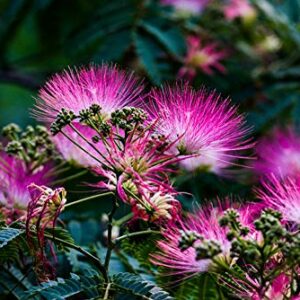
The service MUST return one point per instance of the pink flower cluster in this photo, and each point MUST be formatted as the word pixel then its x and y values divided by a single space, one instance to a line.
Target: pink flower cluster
pixel 133 148
pixel 200 124
pixel 205 221
pixel 239 9
pixel 15 176
pixel 206 57
pixel 143 163
pixel 197 130
pixel 43 210
pixel 278 166
pixel 187 7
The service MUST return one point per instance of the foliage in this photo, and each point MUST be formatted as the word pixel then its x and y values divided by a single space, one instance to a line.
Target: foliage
pixel 92 246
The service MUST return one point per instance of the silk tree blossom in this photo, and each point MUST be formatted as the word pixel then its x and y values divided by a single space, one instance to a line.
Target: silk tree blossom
pixel 204 222
pixel 138 172
pixel 15 176
pixel 45 205
pixel 187 7
pixel 206 57
pixel 156 207
pixel 279 154
pixel 200 124
pixel 133 161
pixel 239 9
pixel 70 151
pixel 282 195
pixel 78 89
pixel 42 212
pixel 140 162
pixel 278 289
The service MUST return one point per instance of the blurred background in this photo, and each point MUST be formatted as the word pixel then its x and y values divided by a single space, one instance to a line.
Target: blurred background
pixel 247 50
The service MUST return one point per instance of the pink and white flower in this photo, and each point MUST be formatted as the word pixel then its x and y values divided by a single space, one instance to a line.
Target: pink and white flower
pixel 156 207
pixel 206 57
pixel 183 262
pixel 138 172
pixel 279 154
pixel 73 153
pixel 15 176
pixel 282 195
pixel 200 124
pixel 278 289
pixel 43 210
pixel 239 9
pixel 80 88
pixel 186 7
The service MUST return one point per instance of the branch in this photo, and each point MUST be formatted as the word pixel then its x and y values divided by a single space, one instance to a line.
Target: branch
pixel 110 244
pixel 90 256
pixel 14 77
pixel 129 235
pixel 87 199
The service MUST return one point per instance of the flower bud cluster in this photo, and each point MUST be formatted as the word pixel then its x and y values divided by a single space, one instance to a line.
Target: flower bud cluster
pixel 259 258
pixel 204 248
pixel 33 145
pixel 64 118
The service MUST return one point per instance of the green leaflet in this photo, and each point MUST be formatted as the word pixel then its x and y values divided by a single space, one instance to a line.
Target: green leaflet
pixel 129 286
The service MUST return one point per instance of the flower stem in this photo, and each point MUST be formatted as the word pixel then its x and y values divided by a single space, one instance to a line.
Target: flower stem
pixel 70 177
pixel 123 220
pixel 110 244
pixel 81 148
pixel 90 256
pixel 132 234
pixel 106 295
pixel 87 199
pixel 91 145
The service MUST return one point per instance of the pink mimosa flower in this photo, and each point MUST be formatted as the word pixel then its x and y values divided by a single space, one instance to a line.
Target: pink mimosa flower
pixel 204 57
pixel 279 154
pixel 140 162
pixel 42 212
pixel 192 7
pixel 239 9
pixel 183 262
pixel 137 170
pixel 15 176
pixel 73 153
pixel 80 88
pixel 282 195
pixel 278 289
pixel 156 207
pixel 200 124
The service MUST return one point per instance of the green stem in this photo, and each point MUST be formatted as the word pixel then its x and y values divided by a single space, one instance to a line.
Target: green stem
pixel 123 220
pixel 91 145
pixel 70 177
pixel 110 244
pixel 234 274
pixel 129 235
pixel 87 199
pixel 81 148
pixel 106 295
pixel 90 256
pixel 262 287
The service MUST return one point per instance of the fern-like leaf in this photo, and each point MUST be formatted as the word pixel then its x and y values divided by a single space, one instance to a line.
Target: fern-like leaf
pixel 140 250
pixel 11 242
pixel 60 289
pixel 8 234
pixel 129 286
pixel 13 282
